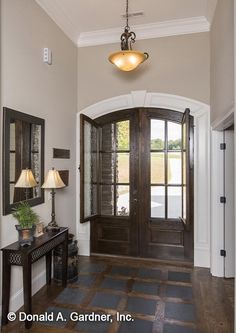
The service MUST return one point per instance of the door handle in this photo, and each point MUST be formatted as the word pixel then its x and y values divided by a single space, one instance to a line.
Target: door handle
pixel 135 200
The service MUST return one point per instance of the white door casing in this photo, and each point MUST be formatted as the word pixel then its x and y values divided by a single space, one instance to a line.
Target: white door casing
pixel 217 190
pixel 201 114
pixel 229 220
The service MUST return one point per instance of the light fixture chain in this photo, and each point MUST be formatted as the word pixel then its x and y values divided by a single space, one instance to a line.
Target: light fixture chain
pixel 127 13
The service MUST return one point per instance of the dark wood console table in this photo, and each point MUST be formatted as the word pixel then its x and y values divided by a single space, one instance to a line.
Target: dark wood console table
pixel 14 254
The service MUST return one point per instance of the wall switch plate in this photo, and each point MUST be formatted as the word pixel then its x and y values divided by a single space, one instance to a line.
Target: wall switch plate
pixel 47 56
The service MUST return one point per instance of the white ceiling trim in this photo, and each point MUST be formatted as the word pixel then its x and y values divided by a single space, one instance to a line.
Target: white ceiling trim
pixel 146 31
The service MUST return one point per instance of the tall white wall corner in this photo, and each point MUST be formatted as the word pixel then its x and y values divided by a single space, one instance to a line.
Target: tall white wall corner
pixel 217 210
pixel 202 189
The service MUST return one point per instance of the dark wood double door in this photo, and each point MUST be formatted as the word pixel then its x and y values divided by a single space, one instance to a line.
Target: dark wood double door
pixel 137 183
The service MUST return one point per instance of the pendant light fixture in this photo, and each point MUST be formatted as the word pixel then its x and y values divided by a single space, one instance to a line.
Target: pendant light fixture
pixel 127 59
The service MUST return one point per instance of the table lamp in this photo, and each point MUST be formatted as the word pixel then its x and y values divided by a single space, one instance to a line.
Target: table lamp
pixel 53 181
pixel 27 181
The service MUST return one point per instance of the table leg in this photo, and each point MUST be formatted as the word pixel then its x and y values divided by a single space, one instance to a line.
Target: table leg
pixel 64 261
pixel 48 267
pixel 6 283
pixel 27 287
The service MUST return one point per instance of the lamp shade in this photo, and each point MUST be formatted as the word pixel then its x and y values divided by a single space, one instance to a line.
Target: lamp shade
pixel 53 180
pixel 26 179
pixel 127 60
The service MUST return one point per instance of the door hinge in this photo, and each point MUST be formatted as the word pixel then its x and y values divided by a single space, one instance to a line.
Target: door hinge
pixel 223 253
pixel 222 146
pixel 223 200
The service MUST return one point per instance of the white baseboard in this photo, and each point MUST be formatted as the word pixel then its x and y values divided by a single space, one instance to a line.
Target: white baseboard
pixel 16 301
pixel 84 247
pixel 201 257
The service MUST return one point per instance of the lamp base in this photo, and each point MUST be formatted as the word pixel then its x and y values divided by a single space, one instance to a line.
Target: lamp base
pixel 52 226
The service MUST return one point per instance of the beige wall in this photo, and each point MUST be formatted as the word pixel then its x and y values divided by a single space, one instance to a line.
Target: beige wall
pixel 222 60
pixel 177 65
pixel 49 92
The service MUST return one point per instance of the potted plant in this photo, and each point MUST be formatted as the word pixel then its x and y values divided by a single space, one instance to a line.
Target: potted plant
pixel 27 219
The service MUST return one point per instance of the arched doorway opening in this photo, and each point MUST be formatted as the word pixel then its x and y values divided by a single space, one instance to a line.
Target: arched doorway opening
pixel 137 183
pixel 201 114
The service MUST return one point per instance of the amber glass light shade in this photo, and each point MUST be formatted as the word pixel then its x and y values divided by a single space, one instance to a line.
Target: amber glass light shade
pixel 127 60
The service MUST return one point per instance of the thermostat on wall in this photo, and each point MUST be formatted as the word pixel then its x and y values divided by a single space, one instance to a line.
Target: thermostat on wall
pixel 47 56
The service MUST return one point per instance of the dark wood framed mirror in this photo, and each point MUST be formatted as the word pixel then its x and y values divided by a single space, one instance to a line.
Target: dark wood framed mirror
pixel 23 148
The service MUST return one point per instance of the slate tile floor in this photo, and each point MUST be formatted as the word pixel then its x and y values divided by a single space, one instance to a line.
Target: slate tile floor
pixel 158 300
pixel 170 299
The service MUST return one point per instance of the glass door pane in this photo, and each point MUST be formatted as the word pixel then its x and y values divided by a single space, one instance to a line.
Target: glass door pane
pixel 174 136
pixel 122 200
pixel 174 202
pixel 107 199
pixel 158 201
pixel 157 134
pixel 157 168
pixel 174 168
pixel 122 170
pixel 122 135
pixel 107 161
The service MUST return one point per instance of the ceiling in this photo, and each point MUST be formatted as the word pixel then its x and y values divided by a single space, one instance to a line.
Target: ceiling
pixel 91 22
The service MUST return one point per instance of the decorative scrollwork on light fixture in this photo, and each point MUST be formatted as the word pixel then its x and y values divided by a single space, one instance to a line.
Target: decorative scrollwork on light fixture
pixel 127 59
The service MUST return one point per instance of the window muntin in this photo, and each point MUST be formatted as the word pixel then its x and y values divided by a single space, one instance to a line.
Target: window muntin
pixel 167 163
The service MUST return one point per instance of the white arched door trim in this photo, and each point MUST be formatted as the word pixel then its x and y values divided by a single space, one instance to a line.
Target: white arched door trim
pixel 201 114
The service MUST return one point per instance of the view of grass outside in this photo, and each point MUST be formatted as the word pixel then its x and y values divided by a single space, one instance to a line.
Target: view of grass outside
pixel 157 168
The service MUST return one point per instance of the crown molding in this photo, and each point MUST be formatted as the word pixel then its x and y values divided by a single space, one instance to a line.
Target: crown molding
pixel 109 36
pixel 146 31
pixel 225 120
